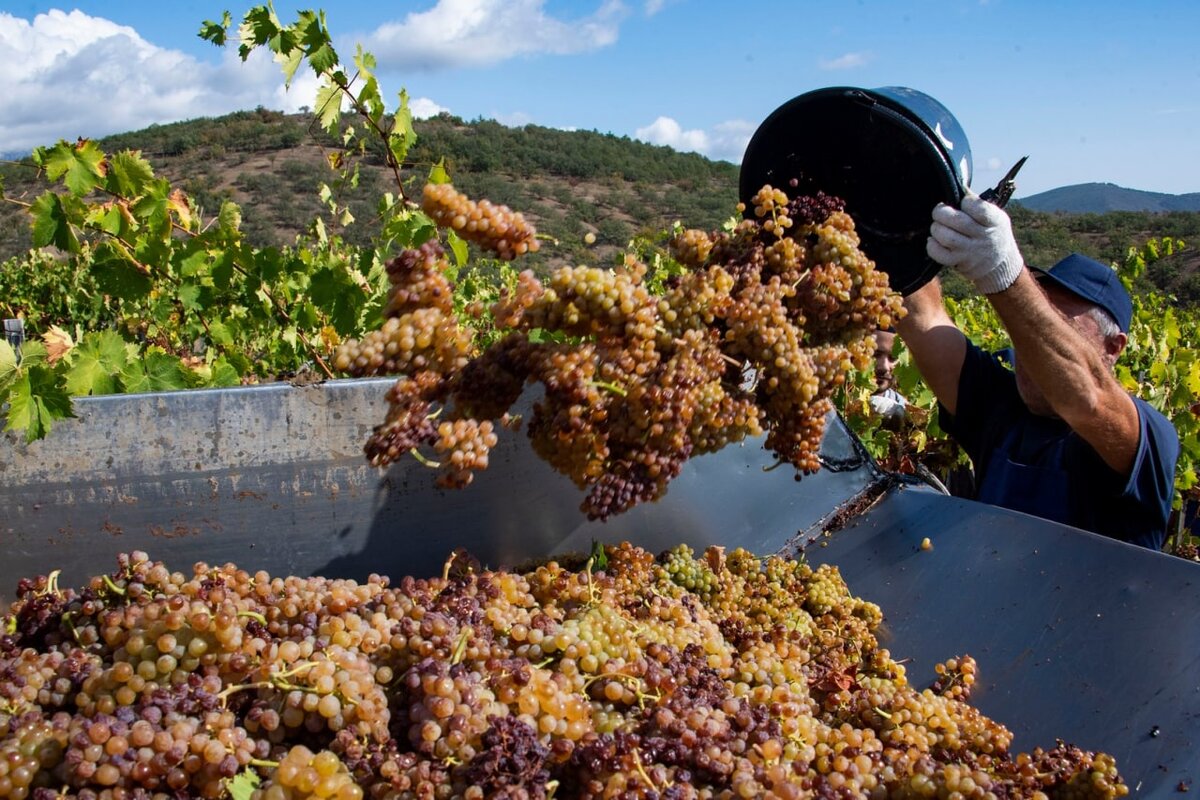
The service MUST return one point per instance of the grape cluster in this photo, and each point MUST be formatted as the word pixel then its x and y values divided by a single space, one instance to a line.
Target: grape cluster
pixel 494 227
pixel 679 675
pixel 753 335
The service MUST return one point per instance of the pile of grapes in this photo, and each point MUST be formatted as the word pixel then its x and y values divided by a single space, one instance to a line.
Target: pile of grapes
pixel 753 335
pixel 622 676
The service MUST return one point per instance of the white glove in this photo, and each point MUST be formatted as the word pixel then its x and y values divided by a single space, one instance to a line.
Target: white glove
pixel 978 242
pixel 887 406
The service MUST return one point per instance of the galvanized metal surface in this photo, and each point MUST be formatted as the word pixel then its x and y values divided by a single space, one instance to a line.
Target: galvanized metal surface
pixel 1077 636
pixel 274 478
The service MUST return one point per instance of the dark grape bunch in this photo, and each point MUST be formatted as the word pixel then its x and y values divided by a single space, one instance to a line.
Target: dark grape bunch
pixel 754 337
pixel 673 677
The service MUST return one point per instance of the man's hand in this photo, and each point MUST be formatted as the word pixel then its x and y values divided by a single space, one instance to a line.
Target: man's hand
pixel 978 242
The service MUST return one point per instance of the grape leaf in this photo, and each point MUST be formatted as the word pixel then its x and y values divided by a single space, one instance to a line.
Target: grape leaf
pixel 8 365
pixel 314 36
pixel 52 224
pixel 329 103
pixel 81 166
pixel 229 219
pixel 257 28
pixel 95 364
pixel 118 276
pixel 33 353
pixel 155 372
pixel 189 296
pixel 153 208
pixel 216 32
pixel 223 373
pixel 340 296
pixel 129 173
pixel 35 401
pixel 243 785
pixel 220 334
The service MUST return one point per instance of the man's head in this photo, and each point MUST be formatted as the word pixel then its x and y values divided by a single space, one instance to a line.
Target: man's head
pixel 1094 302
pixel 885 360
pixel 1092 281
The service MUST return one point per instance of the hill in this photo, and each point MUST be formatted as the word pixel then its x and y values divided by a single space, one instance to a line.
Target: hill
pixel 1100 198
pixel 568 183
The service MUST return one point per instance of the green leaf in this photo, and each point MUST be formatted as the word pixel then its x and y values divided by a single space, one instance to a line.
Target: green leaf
pixel 118 276
pixel 458 246
pixel 229 219
pixel 33 354
pixel 220 335
pixel 8 366
pixel 81 166
pixel 329 104
pixel 155 372
pixel 36 400
pixel 223 373
pixel 52 224
pixel 193 264
pixel 370 99
pixel 243 785
pixel 314 37
pixel 95 364
pixel 129 173
pixel 597 559
pixel 340 296
pixel 1193 378
pixel 259 26
pixel 216 32
pixel 188 295
pixel 402 135
pixel 438 173
pixel 153 208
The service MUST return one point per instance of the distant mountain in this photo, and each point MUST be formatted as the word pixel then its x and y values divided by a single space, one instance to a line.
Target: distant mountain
pixel 1100 198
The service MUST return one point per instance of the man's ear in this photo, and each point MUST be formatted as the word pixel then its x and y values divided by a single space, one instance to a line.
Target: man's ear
pixel 1113 347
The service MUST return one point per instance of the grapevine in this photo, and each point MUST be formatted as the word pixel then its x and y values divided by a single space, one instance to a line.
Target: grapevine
pixel 681 676
pixel 754 335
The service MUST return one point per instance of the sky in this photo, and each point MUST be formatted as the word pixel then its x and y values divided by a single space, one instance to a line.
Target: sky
pixel 1090 90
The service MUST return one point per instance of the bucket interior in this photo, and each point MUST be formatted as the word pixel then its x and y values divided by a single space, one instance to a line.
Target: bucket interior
pixel 888 168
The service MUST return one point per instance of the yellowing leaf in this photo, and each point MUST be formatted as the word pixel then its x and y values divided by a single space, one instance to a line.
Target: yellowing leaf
pixel 58 343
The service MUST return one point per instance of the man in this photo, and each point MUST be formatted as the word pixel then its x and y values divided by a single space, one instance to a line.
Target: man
pixel 1057 437
pixel 886 401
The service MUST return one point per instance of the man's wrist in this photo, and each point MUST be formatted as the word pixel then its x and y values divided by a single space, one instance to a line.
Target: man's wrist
pixel 1000 279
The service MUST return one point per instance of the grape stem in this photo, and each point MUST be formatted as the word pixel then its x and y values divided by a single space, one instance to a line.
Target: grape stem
pixel 424 459
pixel 612 387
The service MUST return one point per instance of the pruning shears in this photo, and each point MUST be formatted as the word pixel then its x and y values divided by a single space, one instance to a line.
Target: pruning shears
pixel 1003 191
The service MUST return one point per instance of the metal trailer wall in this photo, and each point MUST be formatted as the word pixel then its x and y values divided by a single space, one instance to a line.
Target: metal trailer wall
pixel 1077 637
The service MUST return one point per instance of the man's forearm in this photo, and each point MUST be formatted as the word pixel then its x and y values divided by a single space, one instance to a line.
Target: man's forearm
pixel 1069 371
pixel 937 346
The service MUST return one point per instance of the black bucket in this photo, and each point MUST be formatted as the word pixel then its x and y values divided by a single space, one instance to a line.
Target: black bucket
pixel 891 153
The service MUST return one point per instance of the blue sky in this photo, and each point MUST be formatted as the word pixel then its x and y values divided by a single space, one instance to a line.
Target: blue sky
pixel 1095 91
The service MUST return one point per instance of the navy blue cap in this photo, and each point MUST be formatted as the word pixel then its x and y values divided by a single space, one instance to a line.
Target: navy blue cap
pixel 1095 282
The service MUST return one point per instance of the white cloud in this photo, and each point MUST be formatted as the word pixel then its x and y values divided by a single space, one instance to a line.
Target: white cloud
pixel 993 163
pixel 424 108
pixel 726 141
pixel 516 119
pixel 666 131
pixel 729 140
pixel 655 6
pixel 845 61
pixel 68 75
pixel 457 33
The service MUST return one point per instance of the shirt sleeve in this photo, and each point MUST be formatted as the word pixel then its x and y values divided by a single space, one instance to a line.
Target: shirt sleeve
pixel 986 391
pixel 1151 482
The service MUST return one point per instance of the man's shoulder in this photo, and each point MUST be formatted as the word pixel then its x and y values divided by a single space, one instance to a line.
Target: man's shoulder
pixel 1156 423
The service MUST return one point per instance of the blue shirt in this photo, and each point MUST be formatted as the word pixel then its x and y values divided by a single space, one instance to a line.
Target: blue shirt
pixel 1040 466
